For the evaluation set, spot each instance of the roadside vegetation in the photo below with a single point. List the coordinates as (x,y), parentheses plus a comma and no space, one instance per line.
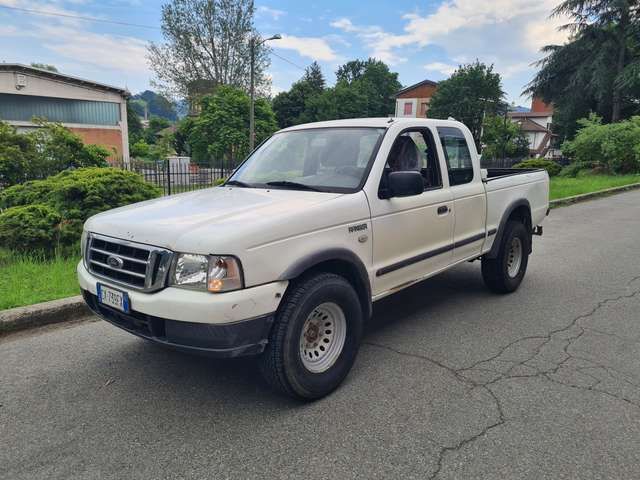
(563,187)
(26,279)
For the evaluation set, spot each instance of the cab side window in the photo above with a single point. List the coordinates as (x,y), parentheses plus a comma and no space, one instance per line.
(457,155)
(415,150)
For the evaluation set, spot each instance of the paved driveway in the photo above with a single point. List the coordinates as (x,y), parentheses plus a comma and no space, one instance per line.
(452,382)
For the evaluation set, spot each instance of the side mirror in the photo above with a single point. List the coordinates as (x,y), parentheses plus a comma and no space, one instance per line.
(405,183)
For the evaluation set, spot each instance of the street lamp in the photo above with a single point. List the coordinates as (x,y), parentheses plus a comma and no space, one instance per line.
(253,43)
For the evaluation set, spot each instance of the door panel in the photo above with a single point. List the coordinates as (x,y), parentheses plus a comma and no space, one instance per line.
(410,238)
(469,199)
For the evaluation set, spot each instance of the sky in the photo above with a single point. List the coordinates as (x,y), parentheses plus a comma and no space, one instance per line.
(419,40)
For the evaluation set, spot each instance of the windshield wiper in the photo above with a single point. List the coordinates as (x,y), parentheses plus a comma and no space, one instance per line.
(237,183)
(292,185)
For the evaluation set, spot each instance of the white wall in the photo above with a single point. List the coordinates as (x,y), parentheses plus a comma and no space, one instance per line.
(400,107)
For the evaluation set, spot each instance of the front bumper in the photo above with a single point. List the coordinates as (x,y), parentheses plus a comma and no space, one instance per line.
(222,325)
(247,337)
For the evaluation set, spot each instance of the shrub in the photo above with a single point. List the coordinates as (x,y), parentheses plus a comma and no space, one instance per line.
(550,166)
(78,194)
(30,228)
(614,148)
(576,168)
(45,151)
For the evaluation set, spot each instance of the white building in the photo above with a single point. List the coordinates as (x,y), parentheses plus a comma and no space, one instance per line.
(94,111)
(537,126)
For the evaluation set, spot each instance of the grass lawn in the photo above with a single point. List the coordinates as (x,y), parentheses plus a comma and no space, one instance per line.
(562,187)
(26,280)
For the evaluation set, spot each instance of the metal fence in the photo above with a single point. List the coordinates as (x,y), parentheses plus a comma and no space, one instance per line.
(177,174)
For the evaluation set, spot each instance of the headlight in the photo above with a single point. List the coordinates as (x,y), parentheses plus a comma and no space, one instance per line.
(83,247)
(206,272)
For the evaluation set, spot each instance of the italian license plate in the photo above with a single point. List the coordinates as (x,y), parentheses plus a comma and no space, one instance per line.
(113,298)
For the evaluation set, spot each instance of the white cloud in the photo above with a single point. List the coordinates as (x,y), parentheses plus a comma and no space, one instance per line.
(271,12)
(440,67)
(315,48)
(103,50)
(445,25)
(8,31)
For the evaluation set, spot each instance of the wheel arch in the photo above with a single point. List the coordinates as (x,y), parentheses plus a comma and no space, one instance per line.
(341,262)
(519,210)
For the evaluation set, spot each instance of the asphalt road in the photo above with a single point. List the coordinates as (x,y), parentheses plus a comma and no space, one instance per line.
(452,382)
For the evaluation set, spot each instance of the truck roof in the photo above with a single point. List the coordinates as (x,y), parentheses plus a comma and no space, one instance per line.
(380,122)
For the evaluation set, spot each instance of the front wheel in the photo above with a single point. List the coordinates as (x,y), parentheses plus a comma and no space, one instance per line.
(315,337)
(504,273)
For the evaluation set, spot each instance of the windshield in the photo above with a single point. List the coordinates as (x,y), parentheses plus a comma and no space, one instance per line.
(325,159)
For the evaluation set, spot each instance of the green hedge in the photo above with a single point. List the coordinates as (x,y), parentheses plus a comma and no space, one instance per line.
(550,166)
(74,196)
(30,228)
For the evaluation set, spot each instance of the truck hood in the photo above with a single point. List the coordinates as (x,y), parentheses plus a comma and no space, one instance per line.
(205,221)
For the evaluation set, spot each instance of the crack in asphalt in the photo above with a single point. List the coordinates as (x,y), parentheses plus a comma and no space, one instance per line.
(550,374)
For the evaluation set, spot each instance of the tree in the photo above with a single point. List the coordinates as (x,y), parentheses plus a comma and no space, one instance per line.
(221,131)
(134,125)
(503,138)
(598,70)
(155,104)
(619,17)
(374,79)
(155,125)
(296,105)
(473,92)
(44,66)
(206,42)
(343,101)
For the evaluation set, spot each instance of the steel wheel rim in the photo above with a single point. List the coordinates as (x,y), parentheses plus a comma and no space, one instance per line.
(322,338)
(514,258)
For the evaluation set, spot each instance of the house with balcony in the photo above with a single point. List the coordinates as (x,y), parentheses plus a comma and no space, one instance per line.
(94,111)
(537,125)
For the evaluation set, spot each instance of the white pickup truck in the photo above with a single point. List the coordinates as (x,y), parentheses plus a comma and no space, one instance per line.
(287,257)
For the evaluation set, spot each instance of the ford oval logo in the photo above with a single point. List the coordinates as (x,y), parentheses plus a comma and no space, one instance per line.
(115,262)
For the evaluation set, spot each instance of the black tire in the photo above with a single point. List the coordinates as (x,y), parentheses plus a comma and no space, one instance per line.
(495,271)
(281,364)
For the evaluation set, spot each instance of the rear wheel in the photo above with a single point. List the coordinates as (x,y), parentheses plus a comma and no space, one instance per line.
(504,273)
(315,337)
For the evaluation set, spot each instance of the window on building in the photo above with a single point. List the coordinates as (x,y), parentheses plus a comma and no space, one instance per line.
(24,107)
(457,155)
(408,108)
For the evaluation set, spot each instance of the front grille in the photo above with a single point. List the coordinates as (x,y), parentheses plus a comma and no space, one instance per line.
(142,267)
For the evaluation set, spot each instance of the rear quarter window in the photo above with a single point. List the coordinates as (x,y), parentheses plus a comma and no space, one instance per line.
(457,155)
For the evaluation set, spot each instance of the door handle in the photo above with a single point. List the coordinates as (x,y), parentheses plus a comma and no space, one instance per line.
(443,210)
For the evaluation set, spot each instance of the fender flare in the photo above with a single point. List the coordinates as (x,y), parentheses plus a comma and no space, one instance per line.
(523,202)
(332,254)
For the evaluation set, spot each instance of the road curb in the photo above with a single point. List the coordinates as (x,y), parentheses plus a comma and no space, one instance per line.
(31,316)
(562,202)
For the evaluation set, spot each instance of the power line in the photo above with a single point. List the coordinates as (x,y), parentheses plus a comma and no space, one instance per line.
(77,17)
(32,11)
(288,61)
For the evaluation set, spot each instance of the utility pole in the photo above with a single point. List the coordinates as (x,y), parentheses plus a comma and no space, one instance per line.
(253,44)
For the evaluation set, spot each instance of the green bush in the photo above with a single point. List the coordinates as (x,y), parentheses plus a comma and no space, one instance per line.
(550,166)
(612,148)
(576,168)
(45,151)
(78,194)
(30,228)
